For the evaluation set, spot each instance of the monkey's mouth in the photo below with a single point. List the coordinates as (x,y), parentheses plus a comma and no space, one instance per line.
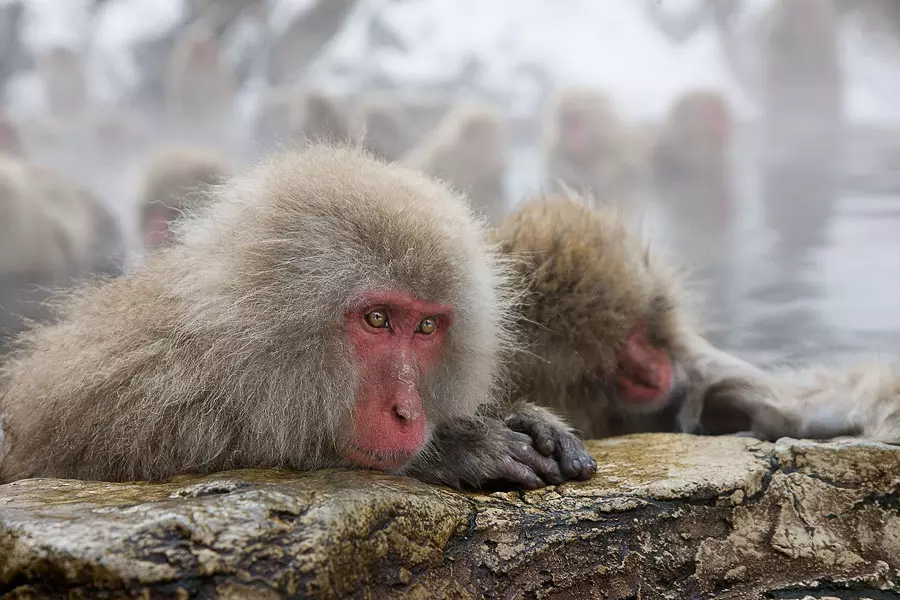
(377,459)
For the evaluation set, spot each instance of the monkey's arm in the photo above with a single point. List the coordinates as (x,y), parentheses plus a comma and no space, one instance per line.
(730,396)
(530,447)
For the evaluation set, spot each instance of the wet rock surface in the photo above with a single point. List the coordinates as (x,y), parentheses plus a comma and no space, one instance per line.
(667,516)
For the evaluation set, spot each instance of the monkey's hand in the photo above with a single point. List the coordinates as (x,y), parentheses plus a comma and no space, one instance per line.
(532,449)
(552,438)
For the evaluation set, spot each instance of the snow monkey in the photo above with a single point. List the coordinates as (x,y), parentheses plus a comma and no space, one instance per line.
(382,123)
(199,88)
(175,180)
(62,74)
(53,233)
(693,145)
(324,310)
(612,347)
(290,116)
(468,149)
(587,146)
(314,116)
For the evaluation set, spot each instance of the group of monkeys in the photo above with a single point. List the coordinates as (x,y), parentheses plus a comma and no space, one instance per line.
(327,308)
(365,296)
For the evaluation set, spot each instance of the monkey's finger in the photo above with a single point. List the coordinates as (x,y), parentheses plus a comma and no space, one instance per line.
(546,468)
(542,433)
(574,459)
(520,475)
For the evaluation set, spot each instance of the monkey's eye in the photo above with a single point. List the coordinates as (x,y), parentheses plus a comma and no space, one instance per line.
(377,319)
(427,326)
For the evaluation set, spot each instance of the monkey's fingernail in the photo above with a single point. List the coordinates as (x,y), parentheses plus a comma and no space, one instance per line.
(575,464)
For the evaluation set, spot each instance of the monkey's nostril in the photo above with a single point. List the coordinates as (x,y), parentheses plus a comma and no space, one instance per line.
(403,413)
(406,411)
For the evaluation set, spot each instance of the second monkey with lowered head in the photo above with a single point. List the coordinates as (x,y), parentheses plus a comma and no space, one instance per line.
(324,310)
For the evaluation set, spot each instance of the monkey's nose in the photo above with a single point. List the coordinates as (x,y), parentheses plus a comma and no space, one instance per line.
(406,411)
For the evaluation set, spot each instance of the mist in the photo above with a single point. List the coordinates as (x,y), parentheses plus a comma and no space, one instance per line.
(801,268)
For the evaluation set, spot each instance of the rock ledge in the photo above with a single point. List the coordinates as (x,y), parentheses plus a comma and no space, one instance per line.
(668,516)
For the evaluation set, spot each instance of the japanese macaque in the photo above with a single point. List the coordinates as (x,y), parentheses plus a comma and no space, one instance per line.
(65,84)
(612,346)
(296,117)
(468,150)
(10,140)
(803,80)
(118,135)
(53,233)
(588,149)
(273,119)
(690,164)
(803,97)
(609,344)
(694,143)
(199,88)
(177,180)
(325,310)
(317,117)
(384,132)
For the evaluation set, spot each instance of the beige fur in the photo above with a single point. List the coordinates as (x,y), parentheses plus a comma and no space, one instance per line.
(224,350)
(590,279)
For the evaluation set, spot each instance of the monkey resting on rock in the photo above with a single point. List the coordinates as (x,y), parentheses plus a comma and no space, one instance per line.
(610,344)
(324,310)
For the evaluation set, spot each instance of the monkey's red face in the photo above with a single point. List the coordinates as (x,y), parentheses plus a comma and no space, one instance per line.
(156,225)
(644,379)
(717,121)
(397,340)
(575,131)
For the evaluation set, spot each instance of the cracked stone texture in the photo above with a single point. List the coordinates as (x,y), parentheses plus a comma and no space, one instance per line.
(667,516)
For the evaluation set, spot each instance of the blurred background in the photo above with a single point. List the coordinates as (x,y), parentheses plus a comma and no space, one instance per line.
(758,139)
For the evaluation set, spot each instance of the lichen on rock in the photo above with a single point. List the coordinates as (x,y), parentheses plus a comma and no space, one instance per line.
(667,516)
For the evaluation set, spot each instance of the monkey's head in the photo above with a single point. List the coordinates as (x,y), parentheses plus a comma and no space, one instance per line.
(273,120)
(483,137)
(175,180)
(472,145)
(385,135)
(698,130)
(316,117)
(598,315)
(202,47)
(801,29)
(583,124)
(356,304)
